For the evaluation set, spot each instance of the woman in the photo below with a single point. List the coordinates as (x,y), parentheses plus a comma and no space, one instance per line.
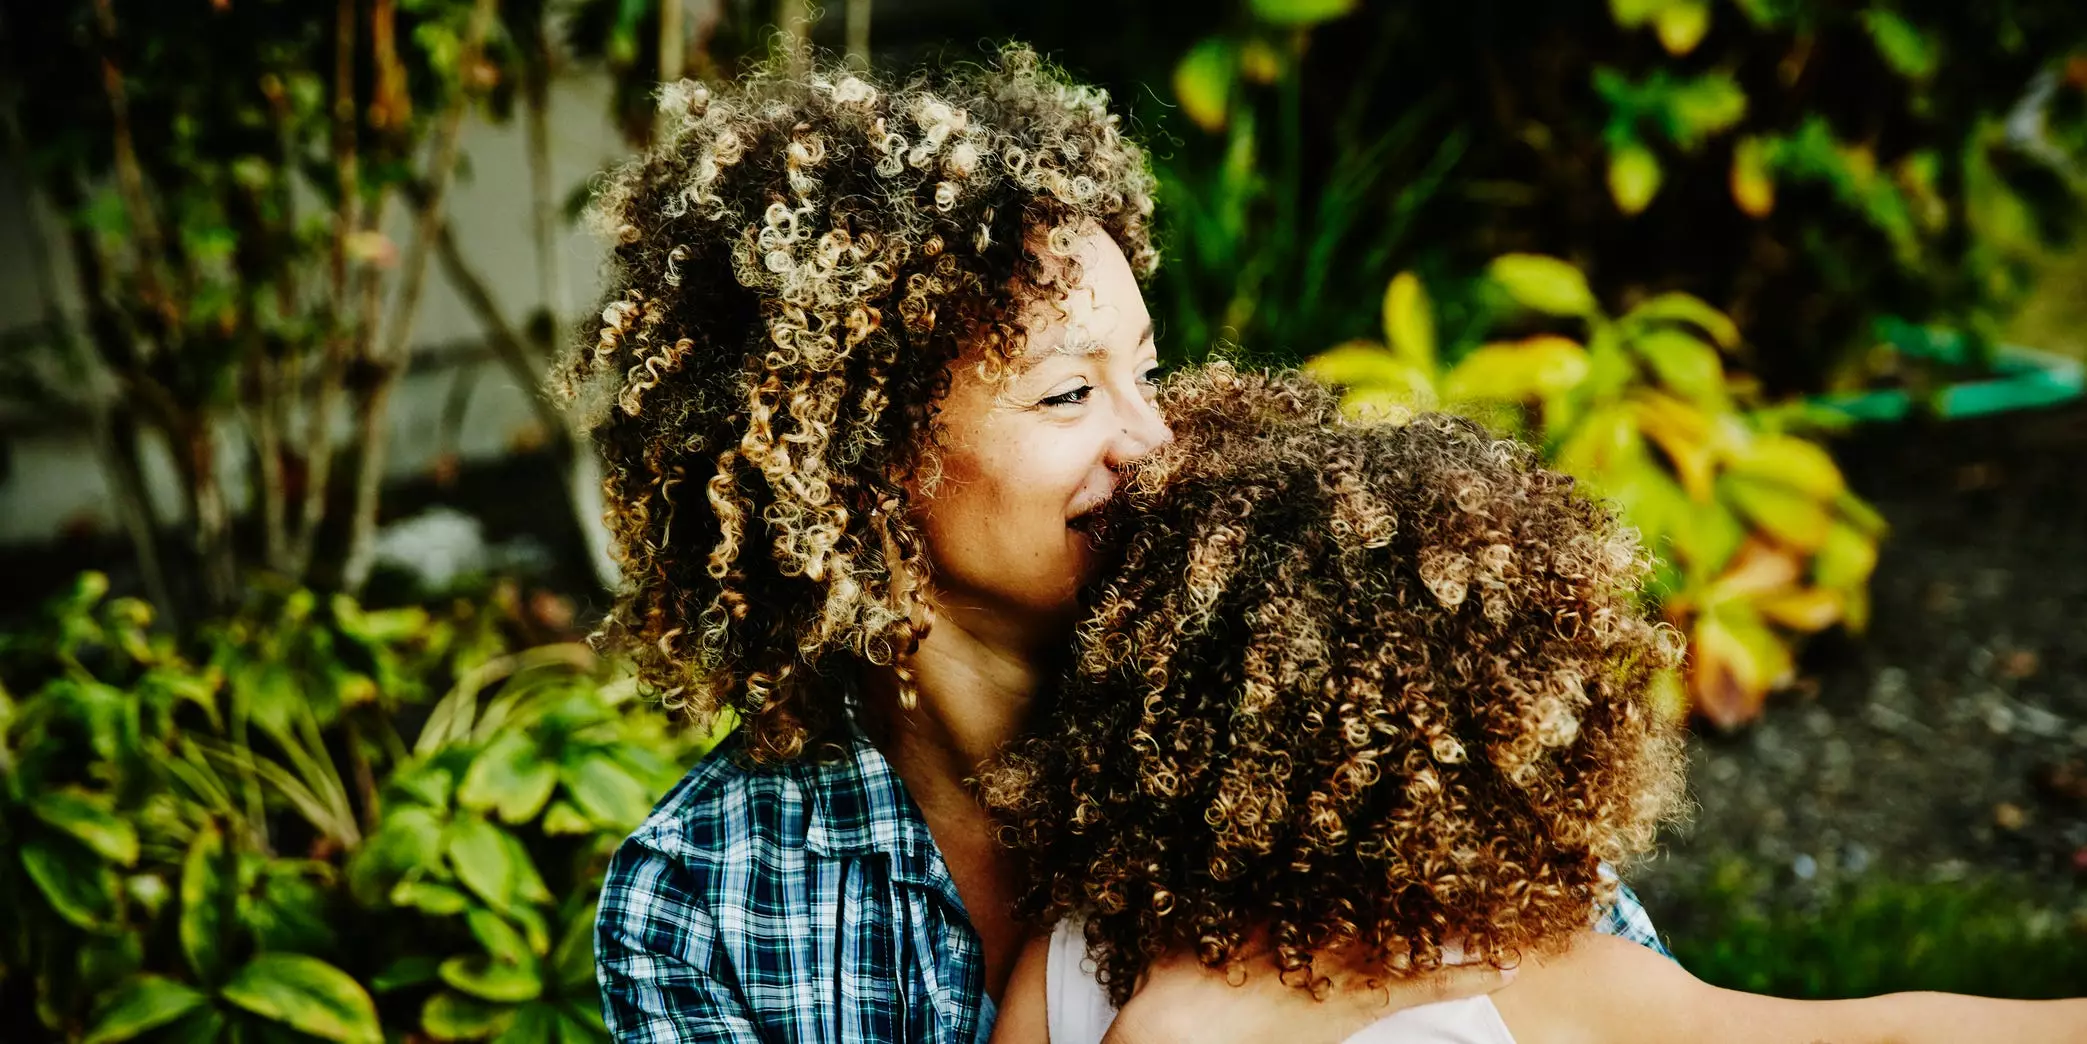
(872,357)
(1380,690)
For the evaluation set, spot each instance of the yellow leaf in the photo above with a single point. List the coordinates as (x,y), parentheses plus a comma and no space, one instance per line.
(1634,177)
(1518,371)
(1606,442)
(1203,82)
(1753,187)
(1779,510)
(1734,660)
(1681,25)
(1545,284)
(1805,609)
(1757,569)
(1260,62)
(1409,321)
(1682,432)
(1790,461)
(1365,364)
(1845,559)
(1687,308)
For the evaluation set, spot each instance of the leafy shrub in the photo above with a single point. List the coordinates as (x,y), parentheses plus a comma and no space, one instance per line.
(1758,534)
(330,820)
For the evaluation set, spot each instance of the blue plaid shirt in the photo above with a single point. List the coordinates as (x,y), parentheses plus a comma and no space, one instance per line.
(805,902)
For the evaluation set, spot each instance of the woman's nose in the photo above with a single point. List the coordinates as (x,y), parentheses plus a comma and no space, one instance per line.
(1144,430)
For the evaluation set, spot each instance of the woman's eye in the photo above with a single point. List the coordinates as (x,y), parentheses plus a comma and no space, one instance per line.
(1070,398)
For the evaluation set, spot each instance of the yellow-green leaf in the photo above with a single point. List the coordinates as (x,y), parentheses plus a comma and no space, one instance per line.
(509,775)
(1605,442)
(606,792)
(1517,371)
(1910,52)
(1203,82)
(1708,538)
(502,982)
(1667,696)
(206,902)
(1299,12)
(429,897)
(1804,609)
(1791,461)
(1682,432)
(1780,510)
(1734,661)
(1365,365)
(1845,559)
(1409,322)
(1545,284)
(88,816)
(144,1003)
(452,1016)
(1681,25)
(1687,366)
(307,995)
(1753,186)
(479,854)
(1678,307)
(1634,177)
(562,820)
(80,887)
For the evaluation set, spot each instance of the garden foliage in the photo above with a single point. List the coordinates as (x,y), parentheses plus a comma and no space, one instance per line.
(352,824)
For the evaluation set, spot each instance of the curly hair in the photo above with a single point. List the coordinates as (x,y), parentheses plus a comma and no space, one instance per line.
(1371,688)
(796,263)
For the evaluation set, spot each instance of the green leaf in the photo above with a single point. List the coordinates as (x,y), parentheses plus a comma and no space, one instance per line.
(307,995)
(1203,82)
(1686,308)
(529,886)
(500,938)
(1634,177)
(1845,559)
(1791,461)
(1752,178)
(1684,364)
(572,960)
(606,792)
(1699,108)
(411,970)
(509,775)
(1299,12)
(1909,52)
(78,885)
(429,897)
(205,903)
(1364,366)
(563,820)
(1784,512)
(88,816)
(502,982)
(533,1024)
(1544,284)
(1537,368)
(1681,25)
(1409,322)
(453,1016)
(479,855)
(1707,537)
(143,1003)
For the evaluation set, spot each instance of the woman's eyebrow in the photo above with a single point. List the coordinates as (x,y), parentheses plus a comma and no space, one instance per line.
(1078,345)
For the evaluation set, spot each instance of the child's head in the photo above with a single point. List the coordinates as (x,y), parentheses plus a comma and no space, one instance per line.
(1358,685)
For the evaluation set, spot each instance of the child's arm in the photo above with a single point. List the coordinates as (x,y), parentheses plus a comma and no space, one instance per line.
(1022,1015)
(1606,989)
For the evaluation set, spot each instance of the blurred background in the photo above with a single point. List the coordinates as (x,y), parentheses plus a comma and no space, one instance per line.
(297,737)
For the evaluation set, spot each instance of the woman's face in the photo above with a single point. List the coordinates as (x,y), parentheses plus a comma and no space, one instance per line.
(1026,456)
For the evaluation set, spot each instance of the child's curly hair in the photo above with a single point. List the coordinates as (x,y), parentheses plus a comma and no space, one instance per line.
(796,263)
(1367,687)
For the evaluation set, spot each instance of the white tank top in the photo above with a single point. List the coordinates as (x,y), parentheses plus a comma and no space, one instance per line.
(1078,1012)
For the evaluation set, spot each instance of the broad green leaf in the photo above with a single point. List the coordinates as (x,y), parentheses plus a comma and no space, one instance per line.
(1910,52)
(206,903)
(563,820)
(1604,443)
(533,1024)
(1544,284)
(1687,366)
(1299,12)
(202,1026)
(607,793)
(1682,432)
(1536,368)
(1752,182)
(1845,559)
(143,1003)
(307,995)
(1707,537)
(1634,177)
(501,982)
(1203,82)
(581,1023)
(536,931)
(1360,365)
(1791,461)
(529,886)
(77,884)
(479,855)
(453,1016)
(408,971)
(509,776)
(87,816)
(1804,609)
(1782,511)
(1686,308)
(1630,14)
(500,938)
(1409,322)
(1681,25)
(1707,105)
(572,960)
(429,897)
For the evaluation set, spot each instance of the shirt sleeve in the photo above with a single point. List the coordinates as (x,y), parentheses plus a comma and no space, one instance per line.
(657,958)
(1627,919)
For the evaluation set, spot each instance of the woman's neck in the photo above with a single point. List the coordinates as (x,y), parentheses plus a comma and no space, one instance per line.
(974,695)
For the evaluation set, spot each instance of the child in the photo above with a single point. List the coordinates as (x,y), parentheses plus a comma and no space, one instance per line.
(1373,695)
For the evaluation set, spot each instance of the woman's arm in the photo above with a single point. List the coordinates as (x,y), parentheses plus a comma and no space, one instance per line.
(1605,989)
(1024,1015)
(652,948)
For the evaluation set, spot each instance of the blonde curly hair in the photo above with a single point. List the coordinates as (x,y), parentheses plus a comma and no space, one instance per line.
(1368,687)
(796,263)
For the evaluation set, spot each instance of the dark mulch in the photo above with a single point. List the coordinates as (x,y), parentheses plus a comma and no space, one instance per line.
(1949,742)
